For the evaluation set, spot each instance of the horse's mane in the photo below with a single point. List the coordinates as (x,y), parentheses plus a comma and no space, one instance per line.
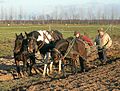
(33,33)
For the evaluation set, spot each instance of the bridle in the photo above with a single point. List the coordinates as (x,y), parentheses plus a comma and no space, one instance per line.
(32,42)
(18,48)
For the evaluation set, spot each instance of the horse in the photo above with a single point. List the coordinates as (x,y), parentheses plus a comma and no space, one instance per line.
(44,37)
(21,54)
(70,48)
(45,41)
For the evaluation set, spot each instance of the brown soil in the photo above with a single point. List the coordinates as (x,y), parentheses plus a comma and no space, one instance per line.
(102,78)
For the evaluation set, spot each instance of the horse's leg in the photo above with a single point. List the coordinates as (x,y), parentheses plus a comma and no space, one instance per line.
(25,64)
(74,63)
(30,67)
(32,62)
(45,65)
(74,67)
(18,68)
(60,68)
(82,66)
(25,67)
(51,64)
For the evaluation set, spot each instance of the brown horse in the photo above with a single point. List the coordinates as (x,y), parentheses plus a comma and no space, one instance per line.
(21,54)
(70,48)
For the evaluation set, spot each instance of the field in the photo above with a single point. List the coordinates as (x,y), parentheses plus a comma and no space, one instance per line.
(7,33)
(92,80)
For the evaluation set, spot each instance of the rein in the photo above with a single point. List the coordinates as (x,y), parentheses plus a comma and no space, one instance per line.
(57,51)
(69,47)
(40,46)
(46,37)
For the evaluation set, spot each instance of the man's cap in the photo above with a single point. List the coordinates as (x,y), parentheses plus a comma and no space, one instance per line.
(100,29)
(76,32)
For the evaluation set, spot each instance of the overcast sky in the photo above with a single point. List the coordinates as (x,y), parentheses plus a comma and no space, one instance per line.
(38,5)
(47,6)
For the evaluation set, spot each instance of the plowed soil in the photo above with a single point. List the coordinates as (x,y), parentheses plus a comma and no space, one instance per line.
(98,78)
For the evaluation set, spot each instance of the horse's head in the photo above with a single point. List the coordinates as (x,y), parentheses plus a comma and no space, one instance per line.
(28,34)
(32,44)
(56,35)
(18,43)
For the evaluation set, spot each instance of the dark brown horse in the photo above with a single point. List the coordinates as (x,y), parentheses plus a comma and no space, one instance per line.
(21,54)
(70,48)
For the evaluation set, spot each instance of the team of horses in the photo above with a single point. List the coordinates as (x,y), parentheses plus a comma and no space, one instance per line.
(51,45)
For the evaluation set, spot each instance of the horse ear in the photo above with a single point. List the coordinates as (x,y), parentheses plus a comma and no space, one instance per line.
(16,34)
(26,33)
(21,34)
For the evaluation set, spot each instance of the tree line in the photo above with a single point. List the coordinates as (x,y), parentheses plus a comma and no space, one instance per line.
(61,15)
(39,22)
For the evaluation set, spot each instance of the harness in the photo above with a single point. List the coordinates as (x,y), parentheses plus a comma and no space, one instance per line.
(71,44)
(44,37)
(41,45)
(69,47)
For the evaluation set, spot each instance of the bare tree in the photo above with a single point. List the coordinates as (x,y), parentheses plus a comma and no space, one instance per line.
(42,17)
(6,15)
(11,14)
(73,13)
(90,13)
(55,13)
(20,15)
(2,13)
(113,13)
(80,13)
